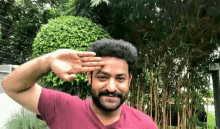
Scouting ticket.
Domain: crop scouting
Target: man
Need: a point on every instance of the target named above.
(109, 65)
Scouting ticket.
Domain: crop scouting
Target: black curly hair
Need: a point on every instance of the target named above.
(116, 48)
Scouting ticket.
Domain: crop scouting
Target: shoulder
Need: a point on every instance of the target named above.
(55, 94)
(50, 97)
(54, 104)
(139, 118)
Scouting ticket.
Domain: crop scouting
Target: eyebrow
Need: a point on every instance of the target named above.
(122, 74)
(102, 72)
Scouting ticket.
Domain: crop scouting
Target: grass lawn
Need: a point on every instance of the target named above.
(211, 120)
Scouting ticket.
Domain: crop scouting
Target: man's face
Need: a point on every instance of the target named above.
(110, 85)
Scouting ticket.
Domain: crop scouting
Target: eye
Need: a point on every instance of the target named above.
(102, 78)
(121, 78)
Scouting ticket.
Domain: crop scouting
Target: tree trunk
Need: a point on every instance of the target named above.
(178, 120)
(164, 106)
(155, 101)
(178, 104)
(138, 93)
(142, 99)
(183, 114)
(151, 94)
(194, 115)
(189, 115)
(169, 112)
(170, 115)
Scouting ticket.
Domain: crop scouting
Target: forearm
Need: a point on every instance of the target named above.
(26, 75)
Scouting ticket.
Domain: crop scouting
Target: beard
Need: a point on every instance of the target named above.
(108, 105)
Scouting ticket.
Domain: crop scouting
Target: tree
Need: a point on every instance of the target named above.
(20, 22)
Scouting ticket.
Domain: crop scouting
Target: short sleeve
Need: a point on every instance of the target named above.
(49, 101)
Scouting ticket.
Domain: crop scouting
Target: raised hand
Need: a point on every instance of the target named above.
(66, 63)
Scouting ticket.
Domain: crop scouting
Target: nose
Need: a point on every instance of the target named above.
(111, 87)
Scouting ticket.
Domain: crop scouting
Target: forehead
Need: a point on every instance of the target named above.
(114, 66)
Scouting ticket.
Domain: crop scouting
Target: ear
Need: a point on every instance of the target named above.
(89, 77)
(130, 78)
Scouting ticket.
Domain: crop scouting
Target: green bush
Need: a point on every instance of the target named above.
(25, 119)
(67, 32)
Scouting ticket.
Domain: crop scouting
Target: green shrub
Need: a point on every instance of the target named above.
(25, 119)
(67, 32)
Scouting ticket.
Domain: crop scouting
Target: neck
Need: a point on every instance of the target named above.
(100, 113)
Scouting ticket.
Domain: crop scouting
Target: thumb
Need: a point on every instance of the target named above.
(69, 77)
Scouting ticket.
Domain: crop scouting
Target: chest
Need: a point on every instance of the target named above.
(68, 121)
(81, 120)
(72, 117)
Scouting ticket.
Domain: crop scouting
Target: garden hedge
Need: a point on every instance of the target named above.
(67, 32)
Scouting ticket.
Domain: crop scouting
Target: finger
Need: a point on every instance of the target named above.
(86, 54)
(93, 64)
(68, 77)
(88, 69)
(91, 59)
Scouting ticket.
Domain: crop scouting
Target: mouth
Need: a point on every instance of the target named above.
(110, 97)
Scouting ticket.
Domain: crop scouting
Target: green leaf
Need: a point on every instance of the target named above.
(97, 2)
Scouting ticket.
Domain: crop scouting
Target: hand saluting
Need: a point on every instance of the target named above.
(66, 63)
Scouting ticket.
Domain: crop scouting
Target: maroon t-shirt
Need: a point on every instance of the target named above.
(63, 111)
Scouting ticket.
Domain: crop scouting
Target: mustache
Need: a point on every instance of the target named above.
(106, 93)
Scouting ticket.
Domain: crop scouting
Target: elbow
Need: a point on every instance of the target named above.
(5, 87)
(3, 83)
